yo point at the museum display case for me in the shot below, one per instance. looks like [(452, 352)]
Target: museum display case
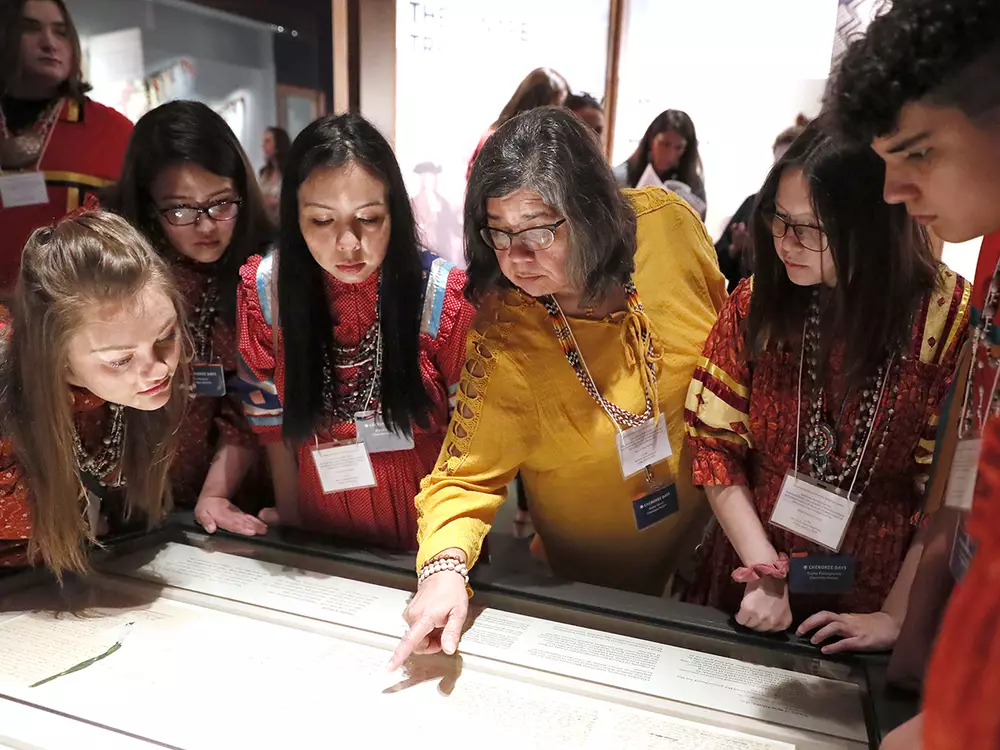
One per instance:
[(181, 640)]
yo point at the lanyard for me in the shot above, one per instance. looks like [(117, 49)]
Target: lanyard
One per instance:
[(645, 357)]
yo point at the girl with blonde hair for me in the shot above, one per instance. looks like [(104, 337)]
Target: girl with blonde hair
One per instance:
[(90, 390)]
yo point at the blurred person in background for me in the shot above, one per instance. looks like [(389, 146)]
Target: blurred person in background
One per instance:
[(588, 109), (668, 155), (734, 260), (275, 146), (542, 87), (56, 145)]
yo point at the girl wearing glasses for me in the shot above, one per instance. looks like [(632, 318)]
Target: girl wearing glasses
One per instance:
[(188, 185), (812, 415), (353, 339)]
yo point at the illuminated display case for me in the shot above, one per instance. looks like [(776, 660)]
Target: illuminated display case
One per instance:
[(282, 642)]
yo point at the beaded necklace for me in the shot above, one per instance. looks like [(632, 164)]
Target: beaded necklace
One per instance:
[(109, 455), (25, 150), (821, 438), (204, 320), (366, 361), (639, 351), (987, 405)]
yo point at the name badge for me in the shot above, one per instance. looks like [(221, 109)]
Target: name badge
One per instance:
[(962, 477), (343, 467), (378, 438), (813, 511), (655, 506), (962, 551), (208, 380), (643, 445), (820, 574), (23, 189)]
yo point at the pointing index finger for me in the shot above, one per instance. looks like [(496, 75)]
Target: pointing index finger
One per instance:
[(417, 632)]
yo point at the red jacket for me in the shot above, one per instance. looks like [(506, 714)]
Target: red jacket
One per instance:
[(85, 153)]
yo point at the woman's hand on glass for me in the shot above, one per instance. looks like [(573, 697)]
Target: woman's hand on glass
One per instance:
[(765, 606), (436, 615), (875, 631), (215, 513)]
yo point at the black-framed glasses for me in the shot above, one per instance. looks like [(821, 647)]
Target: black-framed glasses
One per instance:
[(532, 238), (810, 237), (182, 216)]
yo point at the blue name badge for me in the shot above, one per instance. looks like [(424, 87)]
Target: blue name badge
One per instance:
[(962, 551), (208, 380), (820, 574), (652, 508)]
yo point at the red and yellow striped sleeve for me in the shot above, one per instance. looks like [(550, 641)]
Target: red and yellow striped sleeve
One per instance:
[(717, 409)]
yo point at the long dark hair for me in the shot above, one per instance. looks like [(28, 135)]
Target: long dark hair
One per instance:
[(542, 87), (190, 132), (689, 169), (282, 143), (11, 13), (554, 153), (305, 319), (883, 260)]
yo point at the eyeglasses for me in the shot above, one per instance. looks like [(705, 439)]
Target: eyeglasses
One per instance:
[(182, 216), (810, 237), (533, 238)]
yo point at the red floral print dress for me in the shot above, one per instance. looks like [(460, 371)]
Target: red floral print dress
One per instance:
[(741, 430)]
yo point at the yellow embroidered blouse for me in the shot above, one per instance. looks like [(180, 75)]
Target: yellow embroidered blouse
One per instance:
[(521, 408)]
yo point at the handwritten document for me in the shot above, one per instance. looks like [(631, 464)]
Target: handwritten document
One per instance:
[(781, 696), (187, 675)]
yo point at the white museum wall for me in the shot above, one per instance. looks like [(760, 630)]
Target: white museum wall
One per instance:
[(457, 64), (742, 71)]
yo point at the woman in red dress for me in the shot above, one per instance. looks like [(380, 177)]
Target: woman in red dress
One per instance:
[(59, 144), (188, 185), (90, 395), (829, 365), (352, 340)]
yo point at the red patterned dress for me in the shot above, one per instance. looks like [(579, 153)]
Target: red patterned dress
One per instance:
[(91, 415), (741, 430), (210, 422), (383, 515), (963, 681)]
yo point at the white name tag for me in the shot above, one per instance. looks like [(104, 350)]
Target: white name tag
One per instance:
[(377, 437), (343, 467), (962, 478), (813, 511), (643, 445), (23, 189)]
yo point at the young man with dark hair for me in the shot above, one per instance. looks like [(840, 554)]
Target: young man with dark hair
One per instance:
[(923, 88)]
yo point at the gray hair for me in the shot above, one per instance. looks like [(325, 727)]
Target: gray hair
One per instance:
[(552, 152)]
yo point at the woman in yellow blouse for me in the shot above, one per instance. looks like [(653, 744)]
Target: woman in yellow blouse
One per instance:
[(593, 307)]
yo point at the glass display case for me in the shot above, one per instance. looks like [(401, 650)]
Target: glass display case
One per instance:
[(181, 640)]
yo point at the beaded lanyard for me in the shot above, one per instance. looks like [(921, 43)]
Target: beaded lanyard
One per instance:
[(980, 335), (820, 445), (640, 351), (45, 125)]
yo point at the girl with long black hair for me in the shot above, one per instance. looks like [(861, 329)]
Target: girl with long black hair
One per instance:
[(188, 186), (353, 341)]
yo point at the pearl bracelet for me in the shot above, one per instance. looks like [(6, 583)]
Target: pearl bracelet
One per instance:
[(442, 564)]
